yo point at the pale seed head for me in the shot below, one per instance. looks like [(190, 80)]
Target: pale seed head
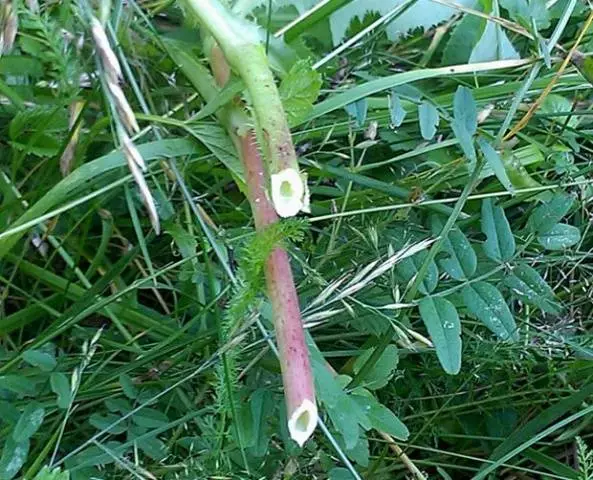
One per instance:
[(127, 117), (9, 27), (135, 160), (106, 53)]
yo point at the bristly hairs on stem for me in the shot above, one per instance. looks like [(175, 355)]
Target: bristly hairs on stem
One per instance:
[(252, 257)]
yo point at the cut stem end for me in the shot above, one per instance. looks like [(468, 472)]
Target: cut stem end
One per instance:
[(288, 192), (302, 422)]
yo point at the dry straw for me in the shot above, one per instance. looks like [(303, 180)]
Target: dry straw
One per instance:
[(112, 75), (8, 26)]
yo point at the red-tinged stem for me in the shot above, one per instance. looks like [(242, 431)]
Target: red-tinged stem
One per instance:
[(263, 212), (297, 376), (222, 72), (239, 42)]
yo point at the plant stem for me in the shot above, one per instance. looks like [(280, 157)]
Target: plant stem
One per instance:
[(247, 57), (297, 376)]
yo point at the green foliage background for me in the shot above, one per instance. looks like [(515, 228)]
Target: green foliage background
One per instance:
[(443, 273)]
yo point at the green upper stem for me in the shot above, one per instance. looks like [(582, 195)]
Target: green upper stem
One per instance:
[(247, 57)]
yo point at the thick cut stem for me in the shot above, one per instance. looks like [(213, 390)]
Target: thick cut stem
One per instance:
[(247, 57), (294, 355), (297, 376)]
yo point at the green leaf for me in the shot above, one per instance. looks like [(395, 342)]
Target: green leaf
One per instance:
[(466, 142), (150, 418), (358, 110), (500, 242), (216, 139), (493, 45), (396, 111), (30, 421), (197, 74), (465, 122), (152, 447), (14, 455), (538, 423), (261, 403), (530, 287), (408, 268), (61, 387), (9, 413), (428, 116), (495, 162), (443, 325), (559, 107), (19, 384), (94, 455), (584, 66), (299, 90), (340, 474), (345, 414), (526, 11), (382, 371), (371, 87), (423, 13), (127, 385), (360, 452), (186, 242), (551, 464), (228, 93), (121, 405), (485, 302), (461, 262), (43, 146), (560, 237), (104, 422), (465, 111), (546, 216), (46, 361), (342, 415), (464, 38), (386, 421), (37, 130), (21, 65), (381, 418), (317, 16), (85, 177), (47, 473), (444, 475)]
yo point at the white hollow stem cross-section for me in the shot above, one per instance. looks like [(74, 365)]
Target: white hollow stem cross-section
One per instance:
[(288, 190), (302, 422)]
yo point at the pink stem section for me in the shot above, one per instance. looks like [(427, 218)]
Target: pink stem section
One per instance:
[(263, 211), (297, 377)]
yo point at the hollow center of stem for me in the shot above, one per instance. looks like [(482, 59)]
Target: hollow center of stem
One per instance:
[(286, 189), (287, 192), (302, 422)]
